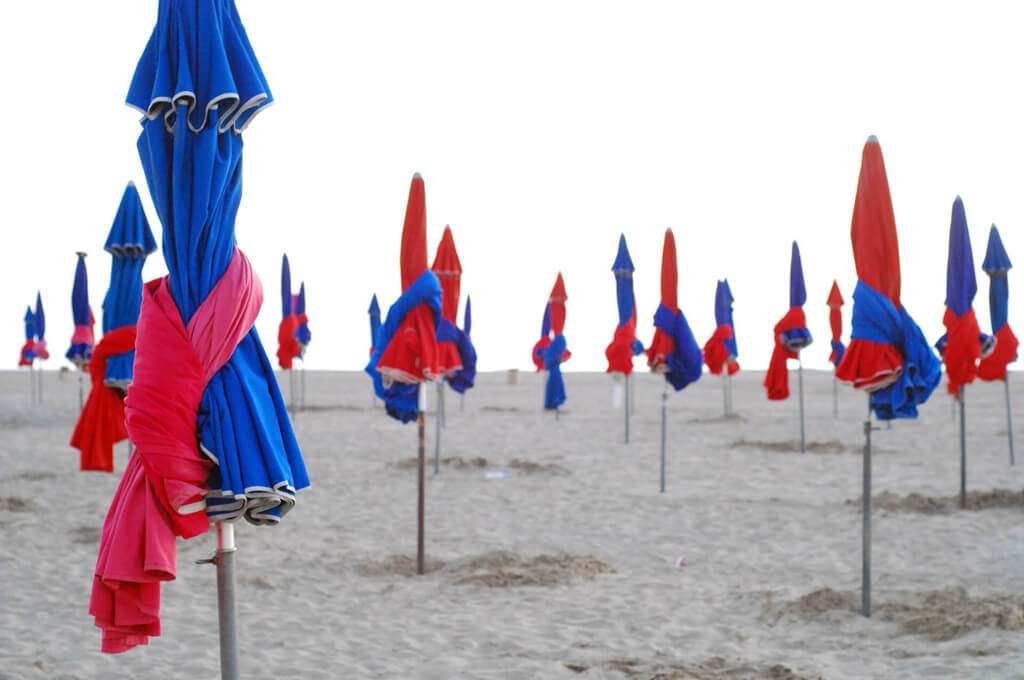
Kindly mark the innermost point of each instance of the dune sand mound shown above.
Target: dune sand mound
(792, 446)
(939, 615)
(714, 668)
(503, 569)
(944, 505)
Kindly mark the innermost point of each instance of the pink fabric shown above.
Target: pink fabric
(163, 487)
(83, 335)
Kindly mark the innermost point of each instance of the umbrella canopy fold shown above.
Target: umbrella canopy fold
(997, 265)
(674, 351)
(288, 346)
(82, 339)
(39, 319)
(790, 334)
(302, 333)
(720, 349)
(545, 339)
(624, 345)
(448, 270)
(28, 354)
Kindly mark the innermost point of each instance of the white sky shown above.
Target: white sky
(543, 129)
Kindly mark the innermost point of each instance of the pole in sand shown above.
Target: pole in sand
(421, 467)
(664, 426)
(865, 583)
(224, 560)
(302, 376)
(800, 374)
(963, 451)
(835, 397)
(728, 383)
(725, 390)
(81, 390)
(626, 410)
(1009, 417)
(438, 420)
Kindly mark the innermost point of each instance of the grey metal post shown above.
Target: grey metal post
(664, 426)
(39, 393)
(626, 410)
(302, 406)
(442, 409)
(835, 397)
(462, 403)
(225, 561)
(1009, 417)
(963, 451)
(81, 392)
(728, 382)
(421, 469)
(800, 373)
(291, 390)
(725, 391)
(438, 420)
(865, 587)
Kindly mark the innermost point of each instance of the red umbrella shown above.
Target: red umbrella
(448, 269)
(557, 300)
(663, 345)
(835, 319)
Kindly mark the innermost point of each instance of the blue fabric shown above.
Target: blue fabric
(194, 174)
(129, 242)
(638, 348)
(286, 288)
(464, 378)
(686, 361)
(840, 349)
(797, 290)
(796, 339)
(545, 324)
(730, 344)
(554, 388)
(996, 265)
(80, 312)
(961, 284)
(623, 270)
(876, 318)
(302, 334)
(374, 312)
(401, 400)
(30, 330)
(40, 318)
(467, 318)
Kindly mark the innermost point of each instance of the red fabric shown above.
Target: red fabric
(835, 317)
(413, 257)
(448, 270)
(869, 365)
(873, 231)
(24, 359)
(963, 349)
(993, 367)
(40, 349)
(101, 423)
(669, 273)
(716, 354)
(620, 352)
(288, 346)
(412, 355)
(557, 301)
(538, 353)
(661, 346)
(161, 494)
(776, 380)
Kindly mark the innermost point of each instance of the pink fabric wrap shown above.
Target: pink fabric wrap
(162, 491)
(83, 335)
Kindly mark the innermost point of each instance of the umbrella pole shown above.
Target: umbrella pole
(664, 426)
(800, 374)
(32, 382)
(302, 403)
(632, 398)
(462, 403)
(728, 384)
(1009, 417)
(438, 421)
(81, 392)
(225, 561)
(963, 451)
(626, 410)
(835, 396)
(865, 583)
(725, 392)
(421, 499)
(442, 411)
(39, 392)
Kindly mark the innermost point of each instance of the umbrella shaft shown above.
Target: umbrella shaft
(963, 451)
(226, 601)
(865, 589)
(626, 410)
(438, 421)
(800, 378)
(1009, 417)
(421, 499)
(664, 429)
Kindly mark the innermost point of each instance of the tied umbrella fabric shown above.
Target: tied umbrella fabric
(624, 345)
(374, 313)
(288, 346)
(720, 349)
(448, 270)
(302, 334)
(129, 242)
(545, 339)
(202, 382)
(997, 265)
(674, 350)
(791, 334)
(888, 355)
(39, 322)
(557, 352)
(464, 379)
(963, 345)
(101, 424)
(82, 339)
(28, 353)
(835, 321)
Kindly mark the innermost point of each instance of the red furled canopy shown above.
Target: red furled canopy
(663, 345)
(448, 270)
(557, 300)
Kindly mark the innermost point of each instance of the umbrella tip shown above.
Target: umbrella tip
(417, 175)
(80, 253)
(872, 139)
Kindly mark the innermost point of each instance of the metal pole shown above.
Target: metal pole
(664, 426)
(800, 373)
(291, 389)
(421, 467)
(963, 451)
(462, 403)
(626, 410)
(225, 561)
(39, 393)
(1009, 417)
(728, 383)
(441, 406)
(632, 398)
(725, 390)
(835, 396)
(302, 407)
(437, 427)
(81, 392)
(865, 584)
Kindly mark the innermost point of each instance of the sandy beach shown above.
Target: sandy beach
(551, 552)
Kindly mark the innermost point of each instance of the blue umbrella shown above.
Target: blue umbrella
(40, 322)
(723, 314)
(28, 349)
(467, 317)
(129, 243)
(993, 367)
(302, 334)
(374, 312)
(82, 339)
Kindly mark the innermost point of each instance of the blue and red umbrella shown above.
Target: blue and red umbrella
(28, 355)
(302, 333)
(624, 345)
(674, 351)
(835, 304)
(459, 368)
(997, 265)
(720, 351)
(541, 346)
(406, 352)
(82, 339)
(963, 344)
(790, 333)
(288, 346)
(374, 313)
(888, 356)
(556, 353)
(40, 330)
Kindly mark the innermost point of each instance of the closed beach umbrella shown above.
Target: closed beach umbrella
(28, 354)
(82, 339)
(835, 304)
(888, 355)
(302, 333)
(790, 333)
(40, 329)
(993, 367)
(212, 435)
(720, 347)
(374, 313)
(129, 243)
(288, 347)
(557, 352)
(464, 379)
(544, 342)
(448, 270)
(624, 345)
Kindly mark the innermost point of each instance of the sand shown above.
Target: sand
(551, 552)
